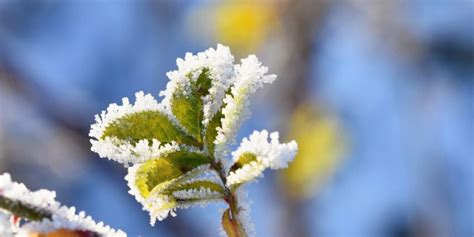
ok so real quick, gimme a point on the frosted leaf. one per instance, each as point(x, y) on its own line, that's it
point(135, 133)
point(219, 61)
point(250, 75)
point(59, 217)
point(162, 185)
point(268, 154)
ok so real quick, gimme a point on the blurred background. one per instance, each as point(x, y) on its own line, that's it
point(379, 94)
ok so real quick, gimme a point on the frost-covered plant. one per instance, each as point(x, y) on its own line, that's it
point(176, 151)
point(43, 215)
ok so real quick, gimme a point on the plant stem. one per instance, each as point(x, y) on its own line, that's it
point(231, 200)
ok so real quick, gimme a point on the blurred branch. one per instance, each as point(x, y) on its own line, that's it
point(39, 98)
point(302, 21)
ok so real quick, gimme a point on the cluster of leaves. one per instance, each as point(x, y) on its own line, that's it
point(178, 170)
point(176, 147)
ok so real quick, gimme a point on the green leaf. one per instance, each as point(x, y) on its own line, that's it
point(211, 132)
point(204, 82)
point(187, 161)
point(147, 125)
point(188, 106)
point(153, 173)
point(197, 185)
point(166, 190)
point(159, 174)
point(189, 113)
point(244, 159)
point(24, 210)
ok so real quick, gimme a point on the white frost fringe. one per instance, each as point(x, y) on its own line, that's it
point(250, 75)
point(270, 154)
